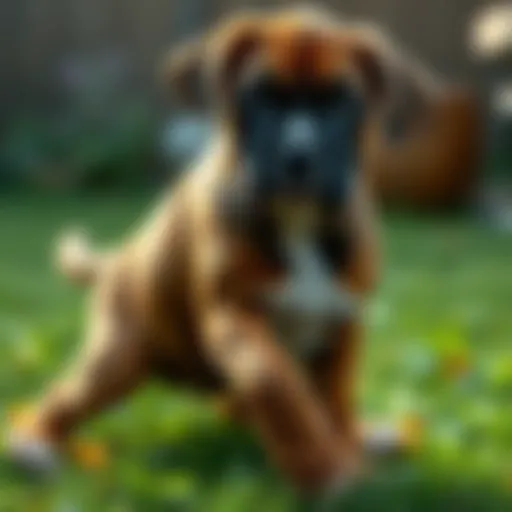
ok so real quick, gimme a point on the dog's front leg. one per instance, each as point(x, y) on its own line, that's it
point(276, 397)
point(335, 377)
point(110, 365)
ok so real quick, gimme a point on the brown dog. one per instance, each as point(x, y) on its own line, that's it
point(247, 279)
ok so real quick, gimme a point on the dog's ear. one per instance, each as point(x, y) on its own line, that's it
point(398, 85)
point(208, 65)
point(181, 72)
point(235, 46)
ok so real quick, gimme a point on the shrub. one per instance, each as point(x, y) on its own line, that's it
point(78, 151)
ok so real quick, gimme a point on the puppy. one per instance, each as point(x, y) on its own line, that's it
point(246, 281)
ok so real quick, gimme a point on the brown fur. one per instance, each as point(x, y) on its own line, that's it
point(176, 299)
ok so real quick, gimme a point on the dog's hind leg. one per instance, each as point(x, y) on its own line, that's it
point(109, 366)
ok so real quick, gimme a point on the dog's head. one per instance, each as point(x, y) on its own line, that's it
point(293, 88)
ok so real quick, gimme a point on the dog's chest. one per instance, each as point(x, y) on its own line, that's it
point(309, 304)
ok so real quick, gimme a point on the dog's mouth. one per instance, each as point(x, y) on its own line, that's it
point(300, 185)
point(296, 209)
point(310, 189)
point(270, 192)
point(304, 198)
point(298, 196)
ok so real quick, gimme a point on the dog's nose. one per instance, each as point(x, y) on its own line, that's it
point(300, 142)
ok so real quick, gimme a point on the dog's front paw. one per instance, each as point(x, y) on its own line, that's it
point(32, 453)
point(27, 447)
point(393, 439)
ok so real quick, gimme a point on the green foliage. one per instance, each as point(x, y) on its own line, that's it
point(79, 150)
point(438, 350)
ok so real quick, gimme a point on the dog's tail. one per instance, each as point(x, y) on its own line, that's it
point(77, 259)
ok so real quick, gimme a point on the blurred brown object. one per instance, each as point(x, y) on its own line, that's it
point(436, 164)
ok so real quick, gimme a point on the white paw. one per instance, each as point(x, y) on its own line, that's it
point(32, 454)
point(383, 440)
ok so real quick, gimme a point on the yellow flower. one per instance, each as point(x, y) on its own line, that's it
point(90, 455)
point(412, 431)
point(456, 364)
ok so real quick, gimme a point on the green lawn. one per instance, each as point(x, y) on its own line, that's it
point(439, 349)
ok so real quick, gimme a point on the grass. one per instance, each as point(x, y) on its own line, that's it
point(438, 358)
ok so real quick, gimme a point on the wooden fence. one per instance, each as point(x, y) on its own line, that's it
point(38, 37)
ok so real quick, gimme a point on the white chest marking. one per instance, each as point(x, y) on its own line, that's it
point(309, 303)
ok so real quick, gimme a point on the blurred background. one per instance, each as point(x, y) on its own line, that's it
point(89, 137)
